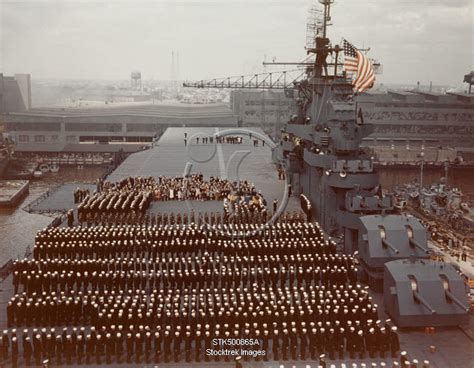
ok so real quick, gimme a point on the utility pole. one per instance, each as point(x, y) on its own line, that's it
point(422, 155)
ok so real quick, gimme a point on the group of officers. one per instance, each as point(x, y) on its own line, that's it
point(79, 194)
point(240, 212)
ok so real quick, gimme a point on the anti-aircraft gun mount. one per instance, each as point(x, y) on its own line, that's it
point(320, 149)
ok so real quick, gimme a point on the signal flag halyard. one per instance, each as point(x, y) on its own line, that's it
point(357, 63)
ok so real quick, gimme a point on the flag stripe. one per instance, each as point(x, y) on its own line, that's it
point(359, 66)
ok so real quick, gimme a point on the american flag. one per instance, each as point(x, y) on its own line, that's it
point(355, 62)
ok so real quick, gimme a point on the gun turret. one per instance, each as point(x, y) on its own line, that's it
point(436, 286)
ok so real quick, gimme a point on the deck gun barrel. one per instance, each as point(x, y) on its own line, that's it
point(385, 243)
point(451, 296)
point(423, 301)
point(414, 243)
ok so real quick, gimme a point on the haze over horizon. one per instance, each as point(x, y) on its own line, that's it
point(426, 40)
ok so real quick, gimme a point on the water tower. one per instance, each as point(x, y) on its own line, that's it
point(136, 80)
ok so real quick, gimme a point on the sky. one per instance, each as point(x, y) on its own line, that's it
point(415, 40)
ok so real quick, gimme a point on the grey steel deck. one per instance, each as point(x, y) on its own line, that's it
point(60, 199)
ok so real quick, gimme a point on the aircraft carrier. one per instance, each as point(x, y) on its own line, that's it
point(446, 346)
point(217, 238)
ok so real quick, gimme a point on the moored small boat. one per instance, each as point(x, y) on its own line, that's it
point(54, 168)
point(44, 168)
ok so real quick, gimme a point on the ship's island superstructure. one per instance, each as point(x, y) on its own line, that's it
point(320, 148)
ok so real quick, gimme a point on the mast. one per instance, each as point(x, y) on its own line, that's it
point(327, 14)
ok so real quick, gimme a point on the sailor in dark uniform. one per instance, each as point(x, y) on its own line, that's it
point(394, 341)
point(109, 348)
point(404, 359)
point(130, 344)
point(80, 348)
point(360, 344)
point(37, 348)
point(197, 345)
point(15, 352)
point(59, 350)
point(5, 345)
point(89, 348)
point(27, 351)
point(119, 345)
point(177, 346)
point(322, 361)
point(167, 346)
point(99, 348)
point(148, 343)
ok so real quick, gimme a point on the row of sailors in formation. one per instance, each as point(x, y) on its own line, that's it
point(347, 294)
point(171, 218)
point(259, 217)
point(121, 232)
point(169, 275)
point(149, 244)
point(262, 304)
point(140, 343)
point(114, 280)
point(76, 303)
point(213, 308)
point(151, 249)
point(231, 139)
point(114, 202)
point(206, 261)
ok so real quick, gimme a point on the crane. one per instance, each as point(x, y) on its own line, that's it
point(273, 80)
point(315, 65)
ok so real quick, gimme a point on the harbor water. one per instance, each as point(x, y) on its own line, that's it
point(18, 227)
